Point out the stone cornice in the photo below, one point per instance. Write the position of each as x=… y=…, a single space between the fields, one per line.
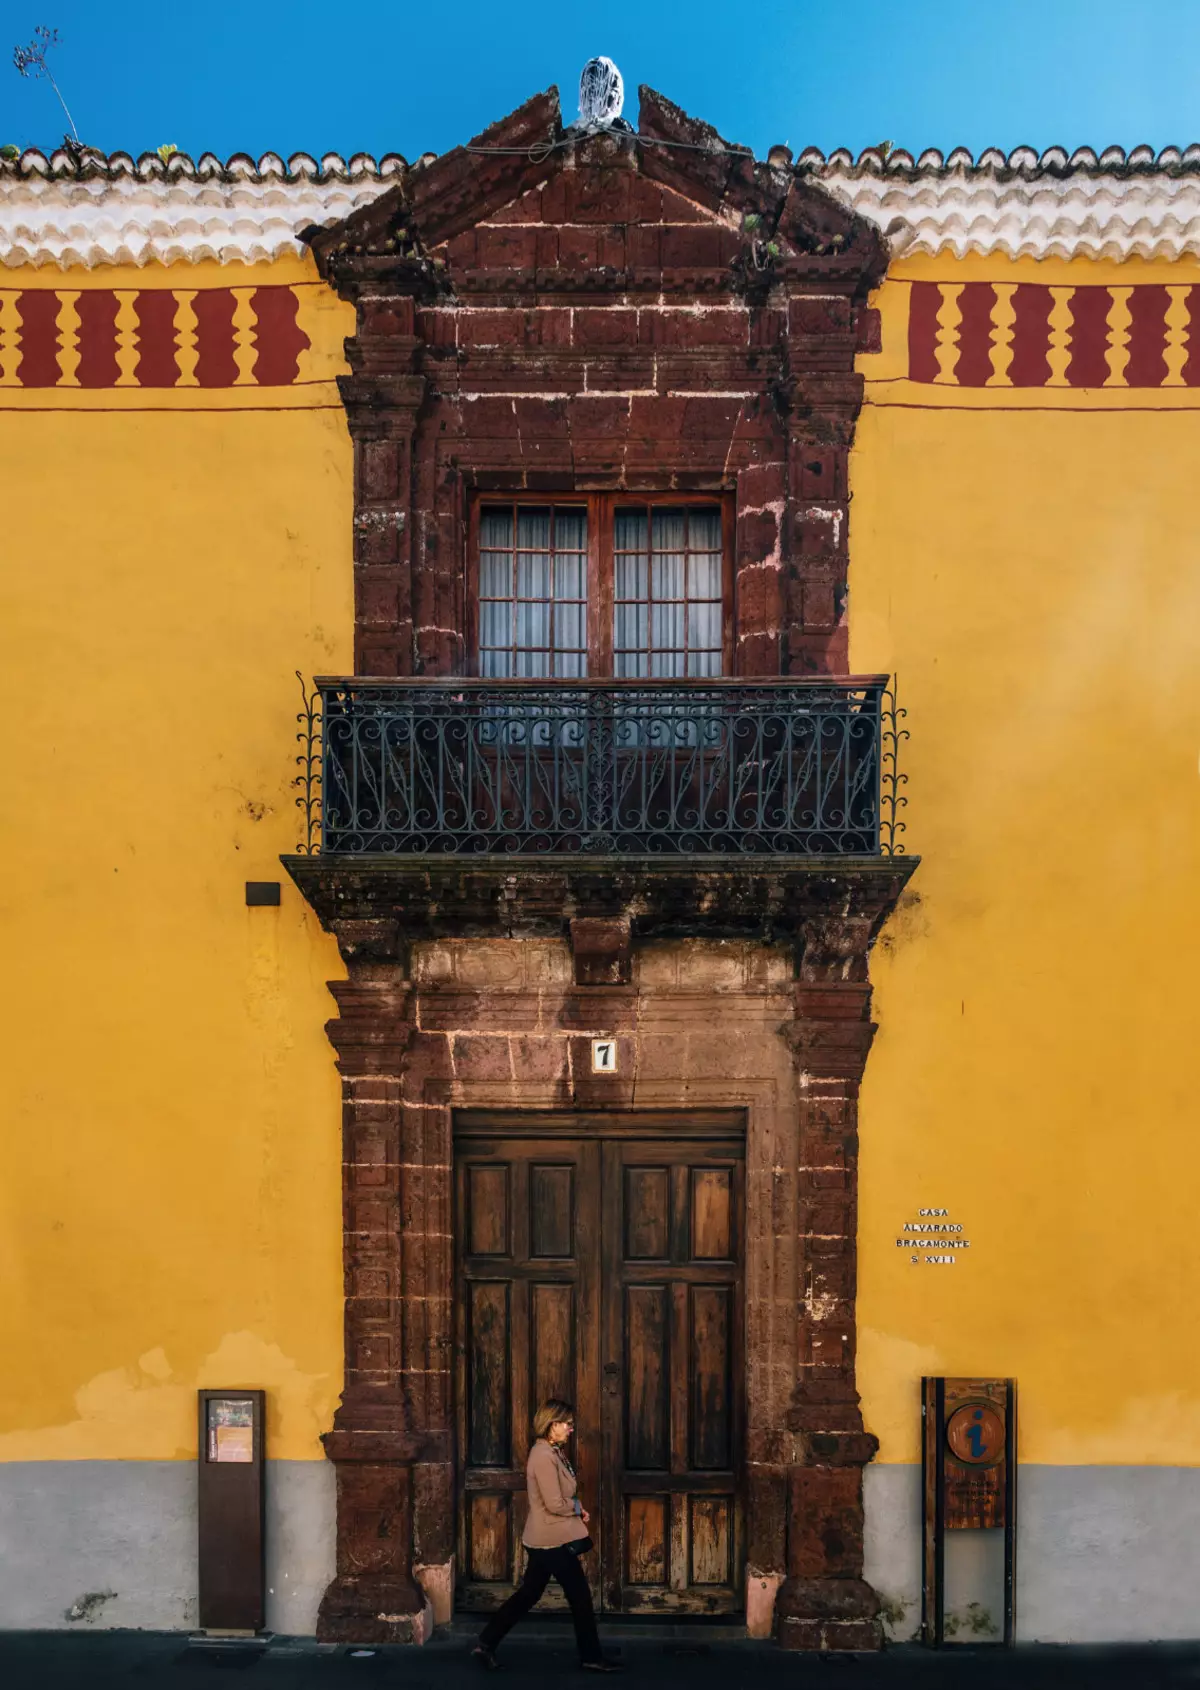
x=768 y=898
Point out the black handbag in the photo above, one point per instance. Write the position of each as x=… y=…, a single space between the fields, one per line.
x=579 y=1545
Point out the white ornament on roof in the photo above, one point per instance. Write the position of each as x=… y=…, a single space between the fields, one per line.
x=601 y=93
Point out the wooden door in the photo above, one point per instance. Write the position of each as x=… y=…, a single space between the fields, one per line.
x=607 y=1270
x=672 y=1378
x=528 y=1328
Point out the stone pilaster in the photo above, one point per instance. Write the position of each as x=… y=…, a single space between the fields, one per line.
x=825 y=1603
x=373 y=1444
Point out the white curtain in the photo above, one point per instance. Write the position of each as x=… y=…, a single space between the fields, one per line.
x=533 y=591
x=667 y=601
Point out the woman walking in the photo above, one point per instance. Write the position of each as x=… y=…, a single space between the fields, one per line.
x=555 y=1536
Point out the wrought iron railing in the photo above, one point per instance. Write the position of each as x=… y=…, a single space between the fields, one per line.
x=458 y=767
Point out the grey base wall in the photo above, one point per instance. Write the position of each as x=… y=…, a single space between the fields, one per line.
x=1104 y=1555
x=113 y=1543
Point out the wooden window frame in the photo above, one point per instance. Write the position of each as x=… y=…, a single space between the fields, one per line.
x=601 y=509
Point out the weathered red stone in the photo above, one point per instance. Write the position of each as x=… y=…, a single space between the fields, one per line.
x=596 y=315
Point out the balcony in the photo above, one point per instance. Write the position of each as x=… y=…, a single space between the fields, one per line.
x=601 y=768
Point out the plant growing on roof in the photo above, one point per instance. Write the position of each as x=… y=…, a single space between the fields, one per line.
x=762 y=253
x=31 y=61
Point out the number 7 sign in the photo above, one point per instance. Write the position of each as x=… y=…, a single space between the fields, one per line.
x=604 y=1056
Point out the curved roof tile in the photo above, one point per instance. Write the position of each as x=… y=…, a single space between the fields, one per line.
x=81 y=207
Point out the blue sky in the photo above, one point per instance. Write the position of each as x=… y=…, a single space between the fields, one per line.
x=410 y=78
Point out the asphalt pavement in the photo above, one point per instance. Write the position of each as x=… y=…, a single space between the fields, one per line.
x=144 y=1660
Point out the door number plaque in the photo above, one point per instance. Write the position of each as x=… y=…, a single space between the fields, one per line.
x=604 y=1056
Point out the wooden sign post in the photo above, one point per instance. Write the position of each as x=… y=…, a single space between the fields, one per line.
x=969 y=1473
x=232 y=1571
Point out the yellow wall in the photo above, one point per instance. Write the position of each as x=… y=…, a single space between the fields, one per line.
x=170 y=1209
x=1032 y=576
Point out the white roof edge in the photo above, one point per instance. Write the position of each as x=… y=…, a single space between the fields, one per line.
x=60 y=211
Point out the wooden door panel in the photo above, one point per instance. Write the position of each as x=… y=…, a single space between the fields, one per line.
x=711 y=1440
x=711 y=1540
x=489 y=1347
x=551 y=1210
x=672 y=1282
x=647 y=1348
x=647 y=1214
x=646 y=1540
x=489 y=1526
x=553 y=1364
x=527 y=1330
x=712 y=1216
x=488 y=1210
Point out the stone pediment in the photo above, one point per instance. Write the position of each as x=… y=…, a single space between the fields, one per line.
x=530 y=206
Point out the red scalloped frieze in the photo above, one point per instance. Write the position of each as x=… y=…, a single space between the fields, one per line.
x=979 y=334
x=153 y=330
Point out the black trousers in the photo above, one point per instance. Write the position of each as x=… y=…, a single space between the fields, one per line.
x=542 y=1566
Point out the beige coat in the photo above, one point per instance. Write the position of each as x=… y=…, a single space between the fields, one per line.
x=553 y=1517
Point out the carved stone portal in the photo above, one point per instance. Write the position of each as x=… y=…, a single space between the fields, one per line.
x=618 y=311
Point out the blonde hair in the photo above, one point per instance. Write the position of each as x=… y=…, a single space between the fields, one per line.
x=548 y=1412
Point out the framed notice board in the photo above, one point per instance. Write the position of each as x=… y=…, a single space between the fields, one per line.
x=232 y=1569
x=969 y=1482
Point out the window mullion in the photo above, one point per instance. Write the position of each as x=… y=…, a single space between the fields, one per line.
x=600 y=584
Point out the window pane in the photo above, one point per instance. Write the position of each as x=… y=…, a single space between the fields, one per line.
x=704 y=529
x=704 y=575
x=495 y=575
x=629 y=528
x=495 y=526
x=630 y=626
x=704 y=627
x=569 y=627
x=533 y=576
x=668 y=526
x=685 y=566
x=631 y=577
x=570 y=528
x=666 y=576
x=570 y=665
x=570 y=577
x=495 y=665
x=495 y=623
x=666 y=665
x=666 y=626
x=533 y=528
x=533 y=625
x=535 y=605
x=631 y=665
x=704 y=663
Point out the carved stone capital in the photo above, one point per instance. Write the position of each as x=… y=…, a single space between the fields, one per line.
x=372 y=1424
x=374 y=1027
x=832 y=1032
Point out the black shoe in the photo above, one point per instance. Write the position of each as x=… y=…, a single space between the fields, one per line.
x=483 y=1657
x=604 y=1664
